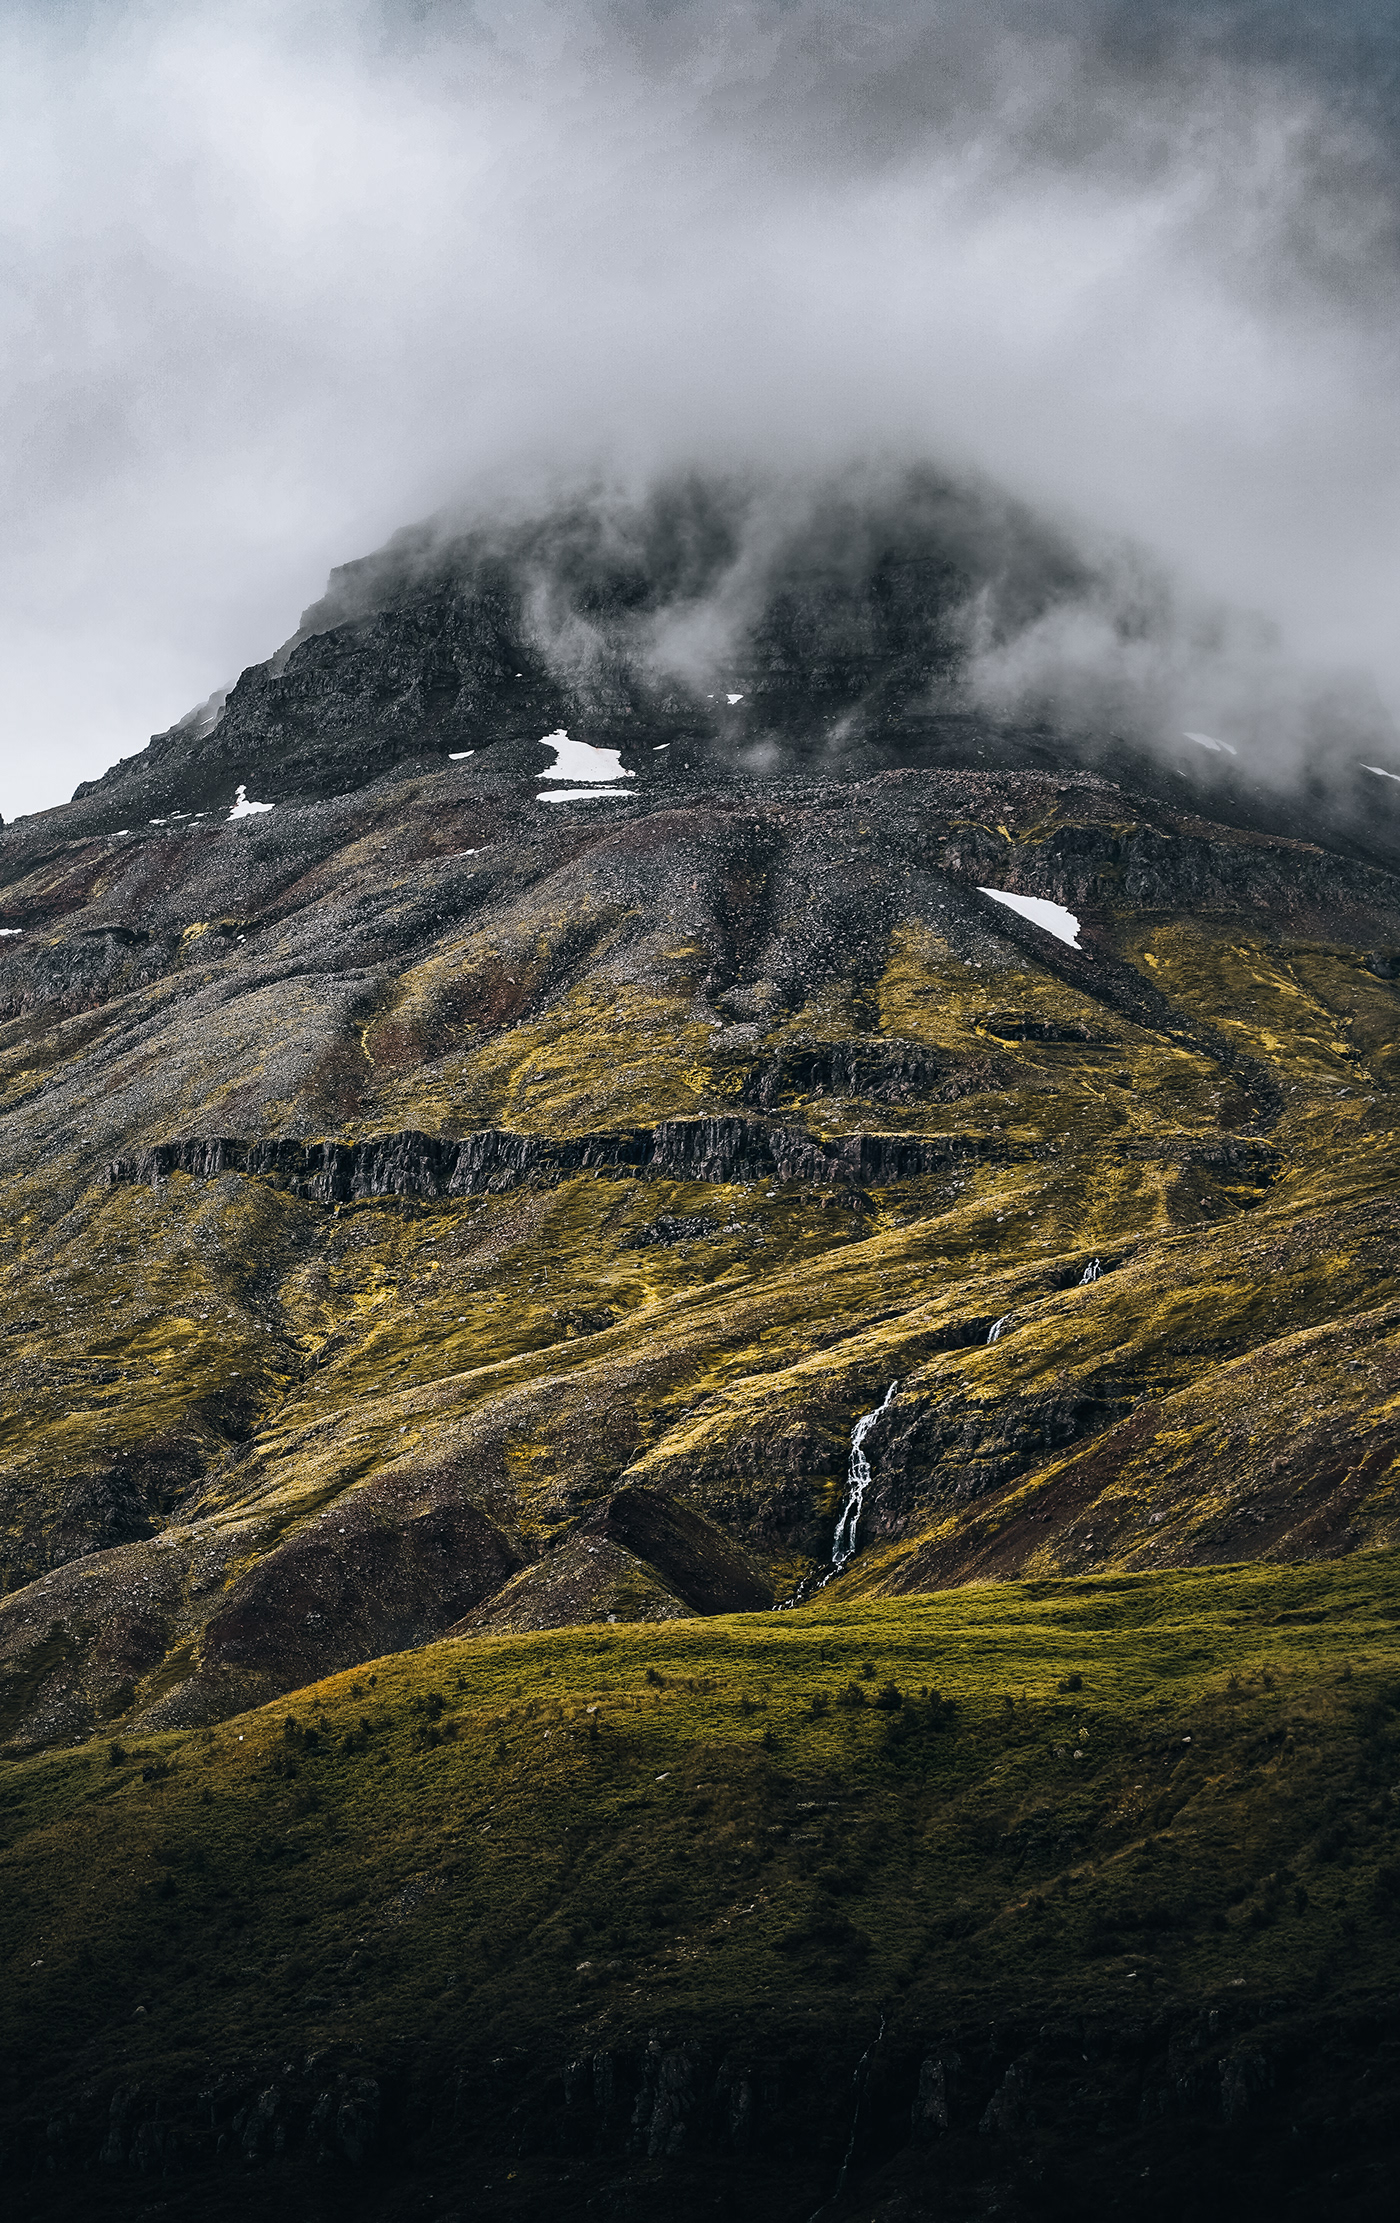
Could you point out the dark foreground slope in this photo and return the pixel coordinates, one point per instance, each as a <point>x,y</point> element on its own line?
<point>1066,1899</point>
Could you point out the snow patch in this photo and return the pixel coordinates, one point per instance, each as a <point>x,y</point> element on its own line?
<point>1208,741</point>
<point>459,756</point>
<point>1040,911</point>
<point>732,699</point>
<point>578,794</point>
<point>579,760</point>
<point>240,807</point>
<point>1380,771</point>
<point>6,930</point>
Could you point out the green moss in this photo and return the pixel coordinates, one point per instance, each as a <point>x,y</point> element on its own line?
<point>674,1808</point>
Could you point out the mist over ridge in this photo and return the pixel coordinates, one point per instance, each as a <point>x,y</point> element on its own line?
<point>288,277</point>
<point>878,583</point>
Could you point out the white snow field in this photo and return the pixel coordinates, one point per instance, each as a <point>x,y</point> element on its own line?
<point>1040,911</point>
<point>242,808</point>
<point>579,760</point>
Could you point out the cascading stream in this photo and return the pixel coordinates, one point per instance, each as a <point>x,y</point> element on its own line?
<point>843,1543</point>
<point>861,2078</point>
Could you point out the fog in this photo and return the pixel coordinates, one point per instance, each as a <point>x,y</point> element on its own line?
<point>279,280</point>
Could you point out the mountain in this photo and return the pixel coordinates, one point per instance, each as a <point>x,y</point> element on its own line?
<point>461,1198</point>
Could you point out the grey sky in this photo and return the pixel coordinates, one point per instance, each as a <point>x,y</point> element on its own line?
<point>278,279</point>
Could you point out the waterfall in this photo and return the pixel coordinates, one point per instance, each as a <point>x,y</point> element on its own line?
<point>997,1326</point>
<point>843,1543</point>
<point>861,2081</point>
<point>1091,1272</point>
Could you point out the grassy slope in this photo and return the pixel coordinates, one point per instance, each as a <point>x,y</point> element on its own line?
<point>386,1341</point>
<point>719,1858</point>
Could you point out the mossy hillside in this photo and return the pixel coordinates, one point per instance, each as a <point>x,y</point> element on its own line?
<point>1173,1785</point>
<point>529,1352</point>
<point>480,1337</point>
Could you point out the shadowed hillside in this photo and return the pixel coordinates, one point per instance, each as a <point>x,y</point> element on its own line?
<point>1026,1900</point>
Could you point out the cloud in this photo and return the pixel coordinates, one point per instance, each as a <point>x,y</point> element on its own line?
<point>279,278</point>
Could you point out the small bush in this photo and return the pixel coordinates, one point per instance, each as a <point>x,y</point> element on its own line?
<point>820,1703</point>
<point>1070,1682</point>
<point>116,1754</point>
<point>852,1695</point>
<point>653,1677</point>
<point>889,1698</point>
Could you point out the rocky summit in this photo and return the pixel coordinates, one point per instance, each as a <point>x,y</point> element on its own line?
<point>631,1256</point>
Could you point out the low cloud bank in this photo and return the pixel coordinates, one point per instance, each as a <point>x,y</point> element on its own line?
<point>283,277</point>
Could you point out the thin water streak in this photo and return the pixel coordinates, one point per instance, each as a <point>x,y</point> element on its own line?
<point>843,1543</point>
<point>861,2080</point>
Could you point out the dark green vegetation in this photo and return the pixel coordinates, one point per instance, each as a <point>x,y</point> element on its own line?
<point>447,1239</point>
<point>612,1917</point>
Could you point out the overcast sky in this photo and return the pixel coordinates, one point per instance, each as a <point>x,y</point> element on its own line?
<point>279,279</point>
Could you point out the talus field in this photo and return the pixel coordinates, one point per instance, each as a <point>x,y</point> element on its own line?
<point>450,1232</point>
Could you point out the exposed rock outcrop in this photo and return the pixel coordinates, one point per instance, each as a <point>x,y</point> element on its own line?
<point>417,1165</point>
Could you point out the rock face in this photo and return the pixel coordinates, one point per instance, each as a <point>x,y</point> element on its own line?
<point>400,1182</point>
<point>719,1150</point>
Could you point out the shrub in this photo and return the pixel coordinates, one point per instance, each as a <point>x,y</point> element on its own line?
<point>116,1754</point>
<point>1070,1682</point>
<point>889,1698</point>
<point>653,1677</point>
<point>852,1695</point>
<point>820,1703</point>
